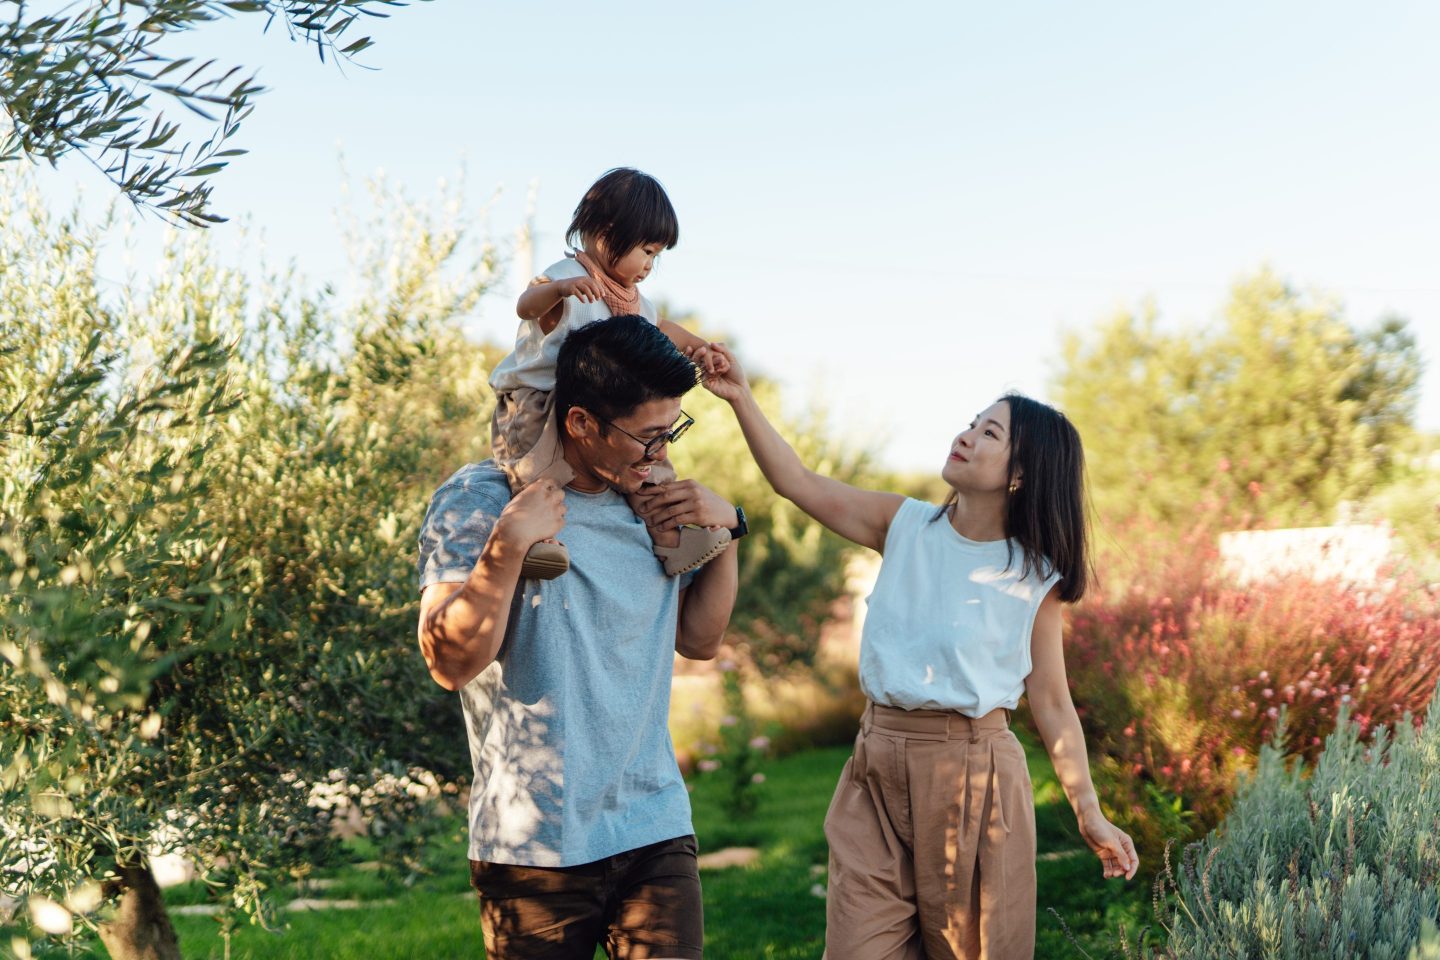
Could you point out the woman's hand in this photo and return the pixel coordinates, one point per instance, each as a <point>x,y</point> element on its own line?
<point>1111,844</point>
<point>723,375</point>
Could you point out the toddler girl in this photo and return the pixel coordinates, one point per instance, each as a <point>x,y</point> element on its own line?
<point>618,230</point>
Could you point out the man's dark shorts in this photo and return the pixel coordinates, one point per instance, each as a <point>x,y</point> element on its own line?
<point>639,905</point>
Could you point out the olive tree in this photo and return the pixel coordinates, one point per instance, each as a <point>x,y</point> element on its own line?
<point>1282,410</point>
<point>210,490</point>
<point>87,78</point>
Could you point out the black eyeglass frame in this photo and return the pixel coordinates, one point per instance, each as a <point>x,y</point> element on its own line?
<point>655,443</point>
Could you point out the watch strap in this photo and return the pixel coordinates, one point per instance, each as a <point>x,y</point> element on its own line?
<point>741,528</point>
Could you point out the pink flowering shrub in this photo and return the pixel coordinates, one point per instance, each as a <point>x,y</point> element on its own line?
<point>1181,675</point>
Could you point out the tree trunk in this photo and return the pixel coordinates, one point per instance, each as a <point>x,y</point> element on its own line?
<point>141,929</point>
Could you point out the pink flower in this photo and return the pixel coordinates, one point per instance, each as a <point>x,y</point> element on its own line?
<point>760,743</point>
<point>708,766</point>
<point>1237,713</point>
<point>758,778</point>
<point>728,720</point>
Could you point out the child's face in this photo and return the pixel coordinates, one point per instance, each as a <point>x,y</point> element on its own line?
<point>635,265</point>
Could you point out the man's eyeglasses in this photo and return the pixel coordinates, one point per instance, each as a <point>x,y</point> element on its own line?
<point>653,444</point>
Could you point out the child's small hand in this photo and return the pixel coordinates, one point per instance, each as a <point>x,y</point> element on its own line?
<point>716,361</point>
<point>585,289</point>
<point>710,361</point>
<point>723,374</point>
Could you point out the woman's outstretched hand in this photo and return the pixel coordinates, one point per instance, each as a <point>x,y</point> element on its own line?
<point>1111,844</point>
<point>721,373</point>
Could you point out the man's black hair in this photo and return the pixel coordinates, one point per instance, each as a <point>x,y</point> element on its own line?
<point>610,367</point>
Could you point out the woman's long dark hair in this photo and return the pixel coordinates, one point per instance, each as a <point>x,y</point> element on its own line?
<point>1046,514</point>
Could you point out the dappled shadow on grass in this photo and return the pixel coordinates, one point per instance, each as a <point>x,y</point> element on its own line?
<point>767,910</point>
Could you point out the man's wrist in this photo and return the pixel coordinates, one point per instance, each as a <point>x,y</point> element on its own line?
<point>502,546</point>
<point>741,527</point>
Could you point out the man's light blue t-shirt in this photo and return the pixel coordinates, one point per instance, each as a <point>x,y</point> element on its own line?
<point>568,727</point>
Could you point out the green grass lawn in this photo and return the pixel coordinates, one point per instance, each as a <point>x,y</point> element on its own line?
<point>764,911</point>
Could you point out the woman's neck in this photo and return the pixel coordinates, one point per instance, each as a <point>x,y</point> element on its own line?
<point>979,517</point>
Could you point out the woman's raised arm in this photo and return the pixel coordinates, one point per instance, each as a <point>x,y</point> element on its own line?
<point>862,516</point>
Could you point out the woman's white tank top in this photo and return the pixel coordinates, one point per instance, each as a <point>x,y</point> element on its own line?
<point>948,623</point>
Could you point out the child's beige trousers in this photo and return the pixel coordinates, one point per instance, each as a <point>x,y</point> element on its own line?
<point>932,841</point>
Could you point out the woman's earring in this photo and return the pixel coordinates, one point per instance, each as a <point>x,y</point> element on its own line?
<point>1014,486</point>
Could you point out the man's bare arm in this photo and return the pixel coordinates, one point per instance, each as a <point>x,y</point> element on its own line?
<point>463,624</point>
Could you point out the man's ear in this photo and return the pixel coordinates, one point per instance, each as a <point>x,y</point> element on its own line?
<point>581,424</point>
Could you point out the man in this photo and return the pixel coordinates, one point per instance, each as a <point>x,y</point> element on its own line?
<point>580,829</point>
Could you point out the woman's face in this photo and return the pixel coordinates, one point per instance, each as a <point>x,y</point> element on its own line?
<point>979,459</point>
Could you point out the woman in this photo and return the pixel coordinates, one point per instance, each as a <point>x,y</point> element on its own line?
<point>932,827</point>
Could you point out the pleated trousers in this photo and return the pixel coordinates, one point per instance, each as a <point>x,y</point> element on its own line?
<point>932,841</point>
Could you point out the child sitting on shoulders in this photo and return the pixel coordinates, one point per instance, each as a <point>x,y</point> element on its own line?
<point>619,229</point>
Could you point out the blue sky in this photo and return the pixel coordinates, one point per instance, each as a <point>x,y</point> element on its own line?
<point>894,207</point>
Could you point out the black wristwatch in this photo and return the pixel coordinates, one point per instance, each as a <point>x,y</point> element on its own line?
<point>741,527</point>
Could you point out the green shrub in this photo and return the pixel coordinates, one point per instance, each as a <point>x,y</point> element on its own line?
<point>1340,861</point>
<point>1180,674</point>
<point>210,489</point>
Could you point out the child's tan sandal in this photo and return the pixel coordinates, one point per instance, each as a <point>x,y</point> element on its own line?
<point>698,546</point>
<point>545,561</point>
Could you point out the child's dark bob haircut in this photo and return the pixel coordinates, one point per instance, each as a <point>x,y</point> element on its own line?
<point>623,210</point>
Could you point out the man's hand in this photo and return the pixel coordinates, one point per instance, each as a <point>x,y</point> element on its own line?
<point>586,289</point>
<point>667,506</point>
<point>534,514</point>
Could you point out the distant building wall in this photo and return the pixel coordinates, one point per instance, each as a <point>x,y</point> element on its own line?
<point>1353,553</point>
